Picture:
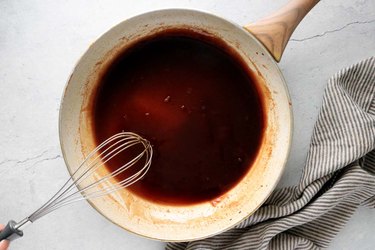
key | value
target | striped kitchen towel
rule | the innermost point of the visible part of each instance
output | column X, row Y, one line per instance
column 339, row 175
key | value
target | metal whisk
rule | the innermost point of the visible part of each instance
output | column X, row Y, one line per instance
column 106, row 151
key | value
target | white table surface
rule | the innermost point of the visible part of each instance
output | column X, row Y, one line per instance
column 40, row 42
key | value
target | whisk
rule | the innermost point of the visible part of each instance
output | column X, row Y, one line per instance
column 106, row 151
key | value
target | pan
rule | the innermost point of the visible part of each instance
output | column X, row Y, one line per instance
column 260, row 45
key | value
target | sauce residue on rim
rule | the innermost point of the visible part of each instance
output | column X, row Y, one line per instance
column 197, row 102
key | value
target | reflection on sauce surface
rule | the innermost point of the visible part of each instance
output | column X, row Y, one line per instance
column 198, row 105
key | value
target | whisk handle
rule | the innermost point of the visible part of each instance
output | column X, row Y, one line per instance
column 10, row 232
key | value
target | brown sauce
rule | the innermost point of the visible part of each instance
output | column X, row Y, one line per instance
column 198, row 104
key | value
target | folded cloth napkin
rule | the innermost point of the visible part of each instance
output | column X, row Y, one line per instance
column 339, row 175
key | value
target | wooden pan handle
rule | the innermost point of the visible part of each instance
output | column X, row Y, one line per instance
column 275, row 30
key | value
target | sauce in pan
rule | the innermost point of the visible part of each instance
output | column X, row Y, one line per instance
column 198, row 104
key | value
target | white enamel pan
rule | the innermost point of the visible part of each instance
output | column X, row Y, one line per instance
column 260, row 45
